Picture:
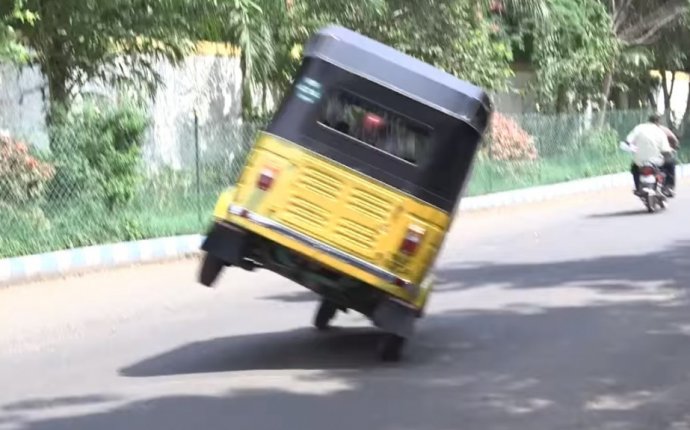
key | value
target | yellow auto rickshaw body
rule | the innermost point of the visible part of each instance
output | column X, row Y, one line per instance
column 353, row 186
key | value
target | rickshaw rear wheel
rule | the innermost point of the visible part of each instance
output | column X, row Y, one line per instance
column 392, row 347
column 210, row 269
column 325, row 314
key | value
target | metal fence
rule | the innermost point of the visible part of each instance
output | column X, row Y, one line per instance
column 177, row 197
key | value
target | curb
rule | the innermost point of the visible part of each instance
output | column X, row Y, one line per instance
column 28, row 267
column 548, row 192
column 58, row 263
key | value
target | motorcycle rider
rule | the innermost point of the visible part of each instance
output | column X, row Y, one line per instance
column 649, row 142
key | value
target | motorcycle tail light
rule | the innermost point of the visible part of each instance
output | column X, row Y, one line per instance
column 647, row 171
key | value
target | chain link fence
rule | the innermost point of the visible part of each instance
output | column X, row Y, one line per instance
column 554, row 148
column 51, row 203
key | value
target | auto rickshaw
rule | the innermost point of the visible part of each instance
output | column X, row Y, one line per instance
column 353, row 186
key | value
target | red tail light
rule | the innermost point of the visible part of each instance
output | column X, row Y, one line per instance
column 647, row 171
column 412, row 240
column 372, row 120
column 266, row 178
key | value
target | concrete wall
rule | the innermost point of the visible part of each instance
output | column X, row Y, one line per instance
column 518, row 99
column 678, row 98
column 207, row 83
column 21, row 104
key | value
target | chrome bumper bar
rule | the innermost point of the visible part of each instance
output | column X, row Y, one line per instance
column 325, row 248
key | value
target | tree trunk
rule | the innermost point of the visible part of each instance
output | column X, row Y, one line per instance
column 59, row 99
column 652, row 100
column 247, row 102
column 668, row 94
column 264, row 99
column 561, row 100
column 605, row 94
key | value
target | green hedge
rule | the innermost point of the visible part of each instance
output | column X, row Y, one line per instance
column 83, row 205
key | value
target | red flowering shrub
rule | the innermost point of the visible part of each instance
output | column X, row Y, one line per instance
column 507, row 141
column 22, row 176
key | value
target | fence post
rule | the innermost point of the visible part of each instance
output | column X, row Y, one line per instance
column 196, row 159
column 490, row 166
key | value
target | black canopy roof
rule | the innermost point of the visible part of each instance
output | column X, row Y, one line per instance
column 400, row 72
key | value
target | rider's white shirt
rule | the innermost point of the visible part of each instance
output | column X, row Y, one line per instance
column 651, row 142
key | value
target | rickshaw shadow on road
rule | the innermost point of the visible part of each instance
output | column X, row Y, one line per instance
column 611, row 274
column 499, row 370
column 339, row 348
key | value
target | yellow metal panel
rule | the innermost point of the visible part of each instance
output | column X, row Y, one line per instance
column 338, row 206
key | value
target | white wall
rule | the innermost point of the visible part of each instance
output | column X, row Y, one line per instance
column 519, row 99
column 678, row 98
column 210, row 84
column 21, row 104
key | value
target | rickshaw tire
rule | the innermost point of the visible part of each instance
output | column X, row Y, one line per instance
column 325, row 314
column 392, row 347
column 210, row 269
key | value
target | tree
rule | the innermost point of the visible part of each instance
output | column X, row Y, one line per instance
column 251, row 26
column 447, row 33
column 455, row 35
column 114, row 42
column 638, row 24
column 10, row 47
column 572, row 51
column 671, row 56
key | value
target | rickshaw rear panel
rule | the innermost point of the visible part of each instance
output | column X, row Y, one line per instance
column 315, row 197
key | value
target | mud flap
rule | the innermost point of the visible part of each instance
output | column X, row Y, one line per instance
column 394, row 318
column 227, row 243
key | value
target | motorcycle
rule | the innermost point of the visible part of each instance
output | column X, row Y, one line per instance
column 652, row 183
column 653, row 191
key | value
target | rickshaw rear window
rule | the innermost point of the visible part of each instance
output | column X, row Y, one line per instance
column 375, row 126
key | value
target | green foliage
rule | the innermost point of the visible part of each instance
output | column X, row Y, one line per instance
column 454, row 35
column 12, row 11
column 573, row 51
column 97, row 151
column 114, row 42
column 600, row 140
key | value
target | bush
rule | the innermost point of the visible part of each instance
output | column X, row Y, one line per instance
column 97, row 152
column 23, row 177
column 507, row 141
column 603, row 141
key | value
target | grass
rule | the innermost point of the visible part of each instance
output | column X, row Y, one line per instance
column 493, row 177
column 169, row 207
column 45, row 228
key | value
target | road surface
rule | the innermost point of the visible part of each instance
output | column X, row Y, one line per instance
column 572, row 314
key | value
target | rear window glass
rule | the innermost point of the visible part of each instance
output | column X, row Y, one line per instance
column 375, row 126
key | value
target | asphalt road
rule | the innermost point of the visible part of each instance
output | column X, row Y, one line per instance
column 568, row 315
